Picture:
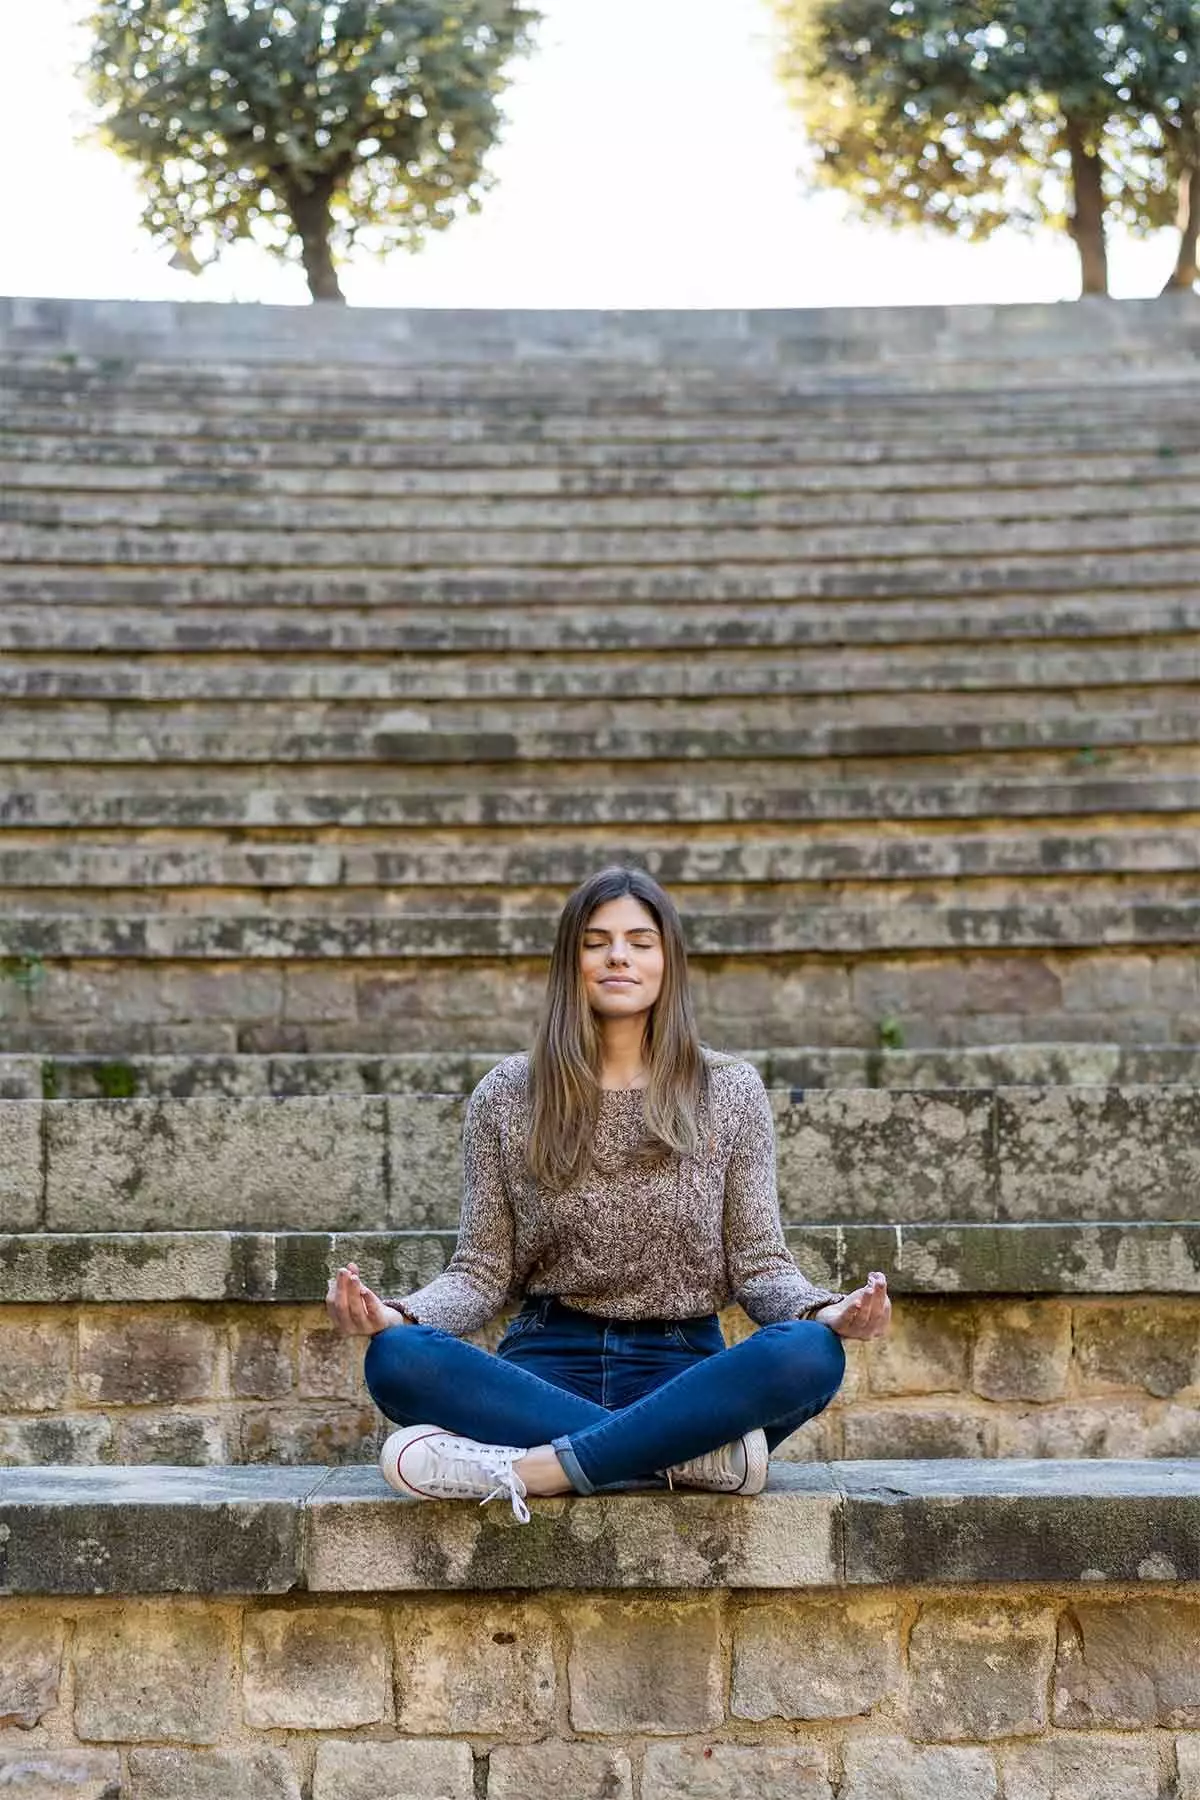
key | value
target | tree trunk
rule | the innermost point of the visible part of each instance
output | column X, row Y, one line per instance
column 1185, row 273
column 309, row 208
column 1087, row 220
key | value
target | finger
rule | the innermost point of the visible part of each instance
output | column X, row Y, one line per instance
column 352, row 1300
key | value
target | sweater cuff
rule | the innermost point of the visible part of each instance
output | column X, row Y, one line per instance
column 816, row 1306
column 399, row 1306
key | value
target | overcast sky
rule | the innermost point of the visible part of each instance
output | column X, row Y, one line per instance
column 649, row 161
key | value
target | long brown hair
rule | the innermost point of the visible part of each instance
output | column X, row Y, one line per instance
column 565, row 1060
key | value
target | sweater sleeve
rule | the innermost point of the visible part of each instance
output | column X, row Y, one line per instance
column 474, row 1285
column 763, row 1275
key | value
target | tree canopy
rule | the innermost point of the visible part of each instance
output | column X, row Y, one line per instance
column 308, row 126
column 971, row 117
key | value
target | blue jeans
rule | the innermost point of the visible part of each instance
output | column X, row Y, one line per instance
column 620, row 1400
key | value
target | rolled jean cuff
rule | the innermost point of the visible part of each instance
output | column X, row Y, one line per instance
column 570, row 1462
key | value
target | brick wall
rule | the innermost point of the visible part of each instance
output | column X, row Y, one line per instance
column 213, row 1383
column 986, row 1693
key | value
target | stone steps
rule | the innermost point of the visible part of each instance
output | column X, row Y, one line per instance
column 1169, row 663
column 44, row 466
column 268, row 1531
column 308, row 386
column 784, row 729
column 266, row 600
column 81, row 1077
column 1158, row 915
column 149, row 798
column 1134, row 571
column 287, row 631
column 479, row 521
column 869, row 858
column 857, row 1629
column 982, row 1262
column 1052, row 448
column 1085, row 1156
column 165, row 546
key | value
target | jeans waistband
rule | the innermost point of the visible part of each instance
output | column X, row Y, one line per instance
column 551, row 1310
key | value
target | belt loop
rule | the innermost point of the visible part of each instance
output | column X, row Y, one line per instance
column 545, row 1301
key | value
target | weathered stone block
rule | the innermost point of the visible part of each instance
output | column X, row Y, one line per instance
column 259, row 1774
column 1094, row 1767
column 1152, row 1345
column 182, row 1439
column 217, row 1164
column 362, row 1538
column 48, row 1774
column 137, row 1358
column 154, row 1671
column 68, row 1439
column 416, row 1769
column 35, row 1363
column 474, row 1665
column 1074, row 1152
column 30, row 1663
column 331, row 1366
column 580, row 1771
column 981, row 1521
column 315, row 1668
column 1022, row 1351
column 732, row 1772
column 260, row 1359
column 979, row 1672
column 1099, row 1428
column 879, row 1433
column 644, row 1665
column 796, row 1659
column 1187, row 1759
column 887, row 1768
column 297, row 1435
column 21, row 1165
column 1127, row 1665
column 885, row 1156
column 927, row 1350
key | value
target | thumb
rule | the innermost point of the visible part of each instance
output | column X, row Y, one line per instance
column 376, row 1311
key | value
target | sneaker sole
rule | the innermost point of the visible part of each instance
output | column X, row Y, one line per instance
column 757, row 1460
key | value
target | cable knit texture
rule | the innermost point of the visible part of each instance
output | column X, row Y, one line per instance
column 673, row 1241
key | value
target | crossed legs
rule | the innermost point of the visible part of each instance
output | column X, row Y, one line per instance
column 779, row 1377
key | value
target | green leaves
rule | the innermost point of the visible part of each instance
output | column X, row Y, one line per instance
column 239, row 114
column 972, row 117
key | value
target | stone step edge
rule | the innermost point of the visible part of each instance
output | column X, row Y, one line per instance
column 952, row 1260
column 85, row 1075
column 246, row 1529
column 831, row 930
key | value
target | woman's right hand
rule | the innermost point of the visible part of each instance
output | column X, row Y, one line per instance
column 354, row 1309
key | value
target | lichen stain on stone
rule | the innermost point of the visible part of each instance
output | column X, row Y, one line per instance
column 1108, row 1259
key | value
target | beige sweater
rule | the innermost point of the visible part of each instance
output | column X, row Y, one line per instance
column 675, row 1241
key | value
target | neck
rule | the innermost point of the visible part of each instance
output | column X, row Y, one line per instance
column 621, row 1061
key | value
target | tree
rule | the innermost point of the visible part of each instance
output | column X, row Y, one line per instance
column 306, row 126
column 973, row 117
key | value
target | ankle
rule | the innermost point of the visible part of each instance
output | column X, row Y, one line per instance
column 542, row 1472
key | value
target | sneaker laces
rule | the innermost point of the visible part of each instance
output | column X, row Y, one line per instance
column 458, row 1471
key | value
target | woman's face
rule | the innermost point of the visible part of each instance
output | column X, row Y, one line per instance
column 621, row 958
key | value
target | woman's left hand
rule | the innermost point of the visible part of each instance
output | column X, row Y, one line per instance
column 866, row 1313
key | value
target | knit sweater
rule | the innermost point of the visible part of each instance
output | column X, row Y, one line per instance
column 675, row 1240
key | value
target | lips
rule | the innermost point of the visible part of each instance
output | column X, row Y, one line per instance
column 617, row 981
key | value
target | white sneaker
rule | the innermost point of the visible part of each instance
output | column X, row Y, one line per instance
column 428, row 1463
column 737, row 1468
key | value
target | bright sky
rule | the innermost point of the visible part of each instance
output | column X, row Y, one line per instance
column 649, row 160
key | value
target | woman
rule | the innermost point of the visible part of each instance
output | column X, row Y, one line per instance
column 621, row 1176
